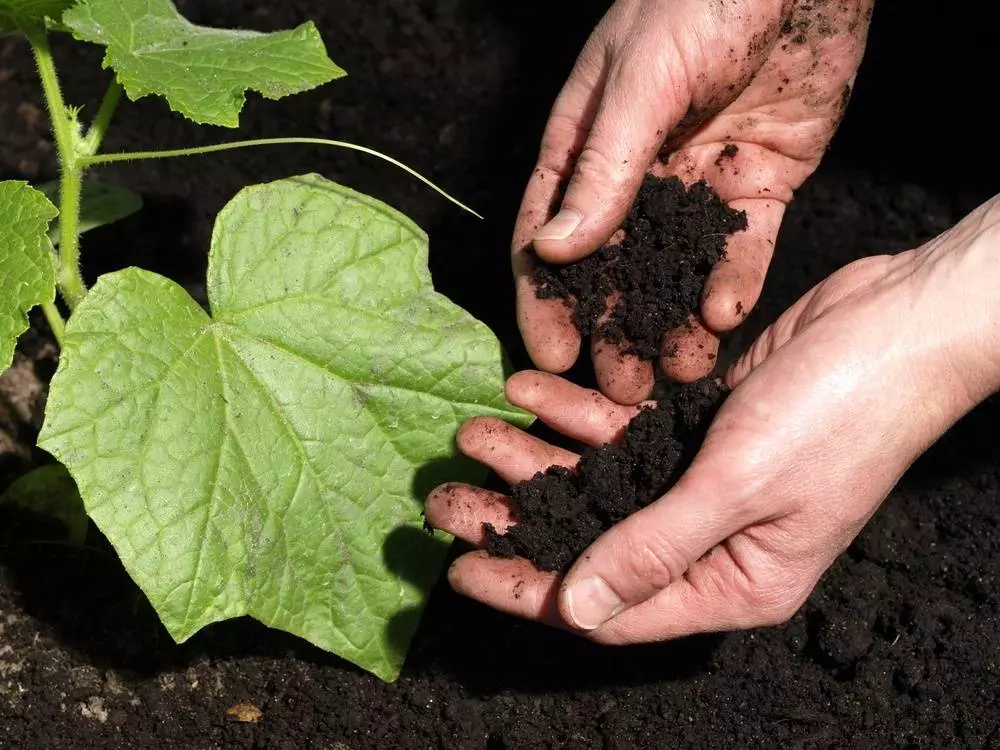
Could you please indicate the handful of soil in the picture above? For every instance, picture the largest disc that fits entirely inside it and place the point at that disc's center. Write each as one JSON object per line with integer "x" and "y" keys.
{"x": 561, "y": 511}
{"x": 673, "y": 237}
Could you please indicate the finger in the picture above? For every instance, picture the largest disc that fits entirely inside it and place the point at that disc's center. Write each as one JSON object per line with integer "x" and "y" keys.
{"x": 546, "y": 326}
{"x": 751, "y": 179}
{"x": 621, "y": 375}
{"x": 651, "y": 549}
{"x": 461, "y": 510}
{"x": 637, "y": 107}
{"x": 579, "y": 413}
{"x": 735, "y": 284}
{"x": 624, "y": 377}
{"x": 689, "y": 352}
{"x": 716, "y": 595}
{"x": 515, "y": 455}
{"x": 513, "y": 586}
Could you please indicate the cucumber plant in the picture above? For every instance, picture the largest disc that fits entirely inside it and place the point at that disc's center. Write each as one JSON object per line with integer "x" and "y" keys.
{"x": 263, "y": 457}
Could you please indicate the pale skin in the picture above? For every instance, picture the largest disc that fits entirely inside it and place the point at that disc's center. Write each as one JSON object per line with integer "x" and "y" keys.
{"x": 685, "y": 78}
{"x": 829, "y": 407}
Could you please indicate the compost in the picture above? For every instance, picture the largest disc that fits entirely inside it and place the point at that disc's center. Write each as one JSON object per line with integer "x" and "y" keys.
{"x": 653, "y": 276}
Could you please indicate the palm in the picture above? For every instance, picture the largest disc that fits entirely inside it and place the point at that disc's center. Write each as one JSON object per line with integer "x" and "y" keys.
{"x": 776, "y": 97}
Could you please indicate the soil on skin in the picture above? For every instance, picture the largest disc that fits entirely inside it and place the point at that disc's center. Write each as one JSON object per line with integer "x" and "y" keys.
{"x": 560, "y": 512}
{"x": 896, "y": 648}
{"x": 672, "y": 238}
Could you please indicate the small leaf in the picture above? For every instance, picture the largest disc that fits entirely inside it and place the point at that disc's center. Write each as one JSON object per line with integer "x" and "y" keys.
{"x": 50, "y": 491}
{"x": 27, "y": 263}
{"x": 102, "y": 204}
{"x": 203, "y": 73}
{"x": 23, "y": 14}
{"x": 272, "y": 459}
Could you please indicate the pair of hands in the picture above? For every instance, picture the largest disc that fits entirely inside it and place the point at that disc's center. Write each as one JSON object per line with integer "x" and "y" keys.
{"x": 830, "y": 405}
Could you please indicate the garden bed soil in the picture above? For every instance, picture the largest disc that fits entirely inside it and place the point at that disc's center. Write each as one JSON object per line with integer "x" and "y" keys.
{"x": 895, "y": 648}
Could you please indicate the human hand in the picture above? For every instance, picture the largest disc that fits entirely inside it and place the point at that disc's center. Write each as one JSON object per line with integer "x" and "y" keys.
{"x": 684, "y": 78}
{"x": 830, "y": 406}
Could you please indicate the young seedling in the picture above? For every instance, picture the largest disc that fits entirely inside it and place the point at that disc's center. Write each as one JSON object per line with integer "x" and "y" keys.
{"x": 265, "y": 457}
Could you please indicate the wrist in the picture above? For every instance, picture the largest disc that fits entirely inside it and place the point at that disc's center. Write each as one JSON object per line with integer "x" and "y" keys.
{"x": 961, "y": 268}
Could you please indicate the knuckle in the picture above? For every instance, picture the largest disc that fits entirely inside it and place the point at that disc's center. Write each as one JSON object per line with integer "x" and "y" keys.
{"x": 654, "y": 559}
{"x": 774, "y": 605}
{"x": 596, "y": 168}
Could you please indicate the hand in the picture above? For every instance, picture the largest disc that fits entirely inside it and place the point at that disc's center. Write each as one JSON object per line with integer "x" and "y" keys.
{"x": 771, "y": 77}
{"x": 829, "y": 408}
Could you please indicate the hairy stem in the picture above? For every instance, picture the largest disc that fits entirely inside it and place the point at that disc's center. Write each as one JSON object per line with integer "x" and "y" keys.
{"x": 90, "y": 161}
{"x": 55, "y": 320}
{"x": 99, "y": 127}
{"x": 70, "y": 280}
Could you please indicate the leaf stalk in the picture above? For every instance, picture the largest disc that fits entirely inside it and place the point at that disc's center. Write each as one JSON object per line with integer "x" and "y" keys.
{"x": 94, "y": 160}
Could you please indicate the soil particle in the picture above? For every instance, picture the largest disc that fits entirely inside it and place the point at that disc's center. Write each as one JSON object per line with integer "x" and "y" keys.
{"x": 728, "y": 152}
{"x": 561, "y": 511}
{"x": 672, "y": 238}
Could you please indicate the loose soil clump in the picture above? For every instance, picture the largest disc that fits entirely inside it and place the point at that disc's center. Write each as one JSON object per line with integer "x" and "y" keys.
{"x": 672, "y": 238}
{"x": 561, "y": 511}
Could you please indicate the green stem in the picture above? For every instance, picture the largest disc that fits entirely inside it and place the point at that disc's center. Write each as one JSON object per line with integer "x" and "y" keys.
{"x": 71, "y": 183}
{"x": 56, "y": 322}
{"x": 90, "y": 161}
{"x": 99, "y": 127}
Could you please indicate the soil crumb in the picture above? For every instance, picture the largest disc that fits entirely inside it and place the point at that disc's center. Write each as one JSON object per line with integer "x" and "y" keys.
{"x": 672, "y": 238}
{"x": 561, "y": 511}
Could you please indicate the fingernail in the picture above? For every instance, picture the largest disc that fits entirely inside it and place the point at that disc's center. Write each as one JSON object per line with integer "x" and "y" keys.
{"x": 591, "y": 603}
{"x": 561, "y": 226}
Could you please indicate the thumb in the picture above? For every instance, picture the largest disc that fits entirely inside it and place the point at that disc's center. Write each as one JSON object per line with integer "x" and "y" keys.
{"x": 649, "y": 550}
{"x": 635, "y": 113}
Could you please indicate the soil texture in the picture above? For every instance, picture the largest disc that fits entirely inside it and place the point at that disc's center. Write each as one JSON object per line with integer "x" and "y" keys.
{"x": 654, "y": 276}
{"x": 561, "y": 511}
{"x": 896, "y": 647}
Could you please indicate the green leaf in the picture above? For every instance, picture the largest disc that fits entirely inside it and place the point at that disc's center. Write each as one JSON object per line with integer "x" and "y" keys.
{"x": 27, "y": 263}
{"x": 21, "y": 14}
{"x": 203, "y": 73}
{"x": 103, "y": 204}
{"x": 272, "y": 459}
{"x": 51, "y": 491}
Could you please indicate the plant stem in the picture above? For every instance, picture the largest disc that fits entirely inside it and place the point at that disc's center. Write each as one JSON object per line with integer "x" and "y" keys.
{"x": 71, "y": 183}
{"x": 56, "y": 322}
{"x": 90, "y": 161}
{"x": 99, "y": 127}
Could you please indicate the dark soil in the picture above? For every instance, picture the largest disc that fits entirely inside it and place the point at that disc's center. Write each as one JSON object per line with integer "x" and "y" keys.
{"x": 560, "y": 512}
{"x": 672, "y": 237}
{"x": 897, "y": 646}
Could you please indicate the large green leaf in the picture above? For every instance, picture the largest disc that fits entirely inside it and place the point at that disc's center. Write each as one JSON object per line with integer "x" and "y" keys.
{"x": 203, "y": 73}
{"x": 27, "y": 263}
{"x": 101, "y": 204}
{"x": 20, "y": 14}
{"x": 271, "y": 459}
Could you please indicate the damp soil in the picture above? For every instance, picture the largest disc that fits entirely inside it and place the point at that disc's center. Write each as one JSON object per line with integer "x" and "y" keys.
{"x": 894, "y": 649}
{"x": 561, "y": 511}
{"x": 653, "y": 274}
